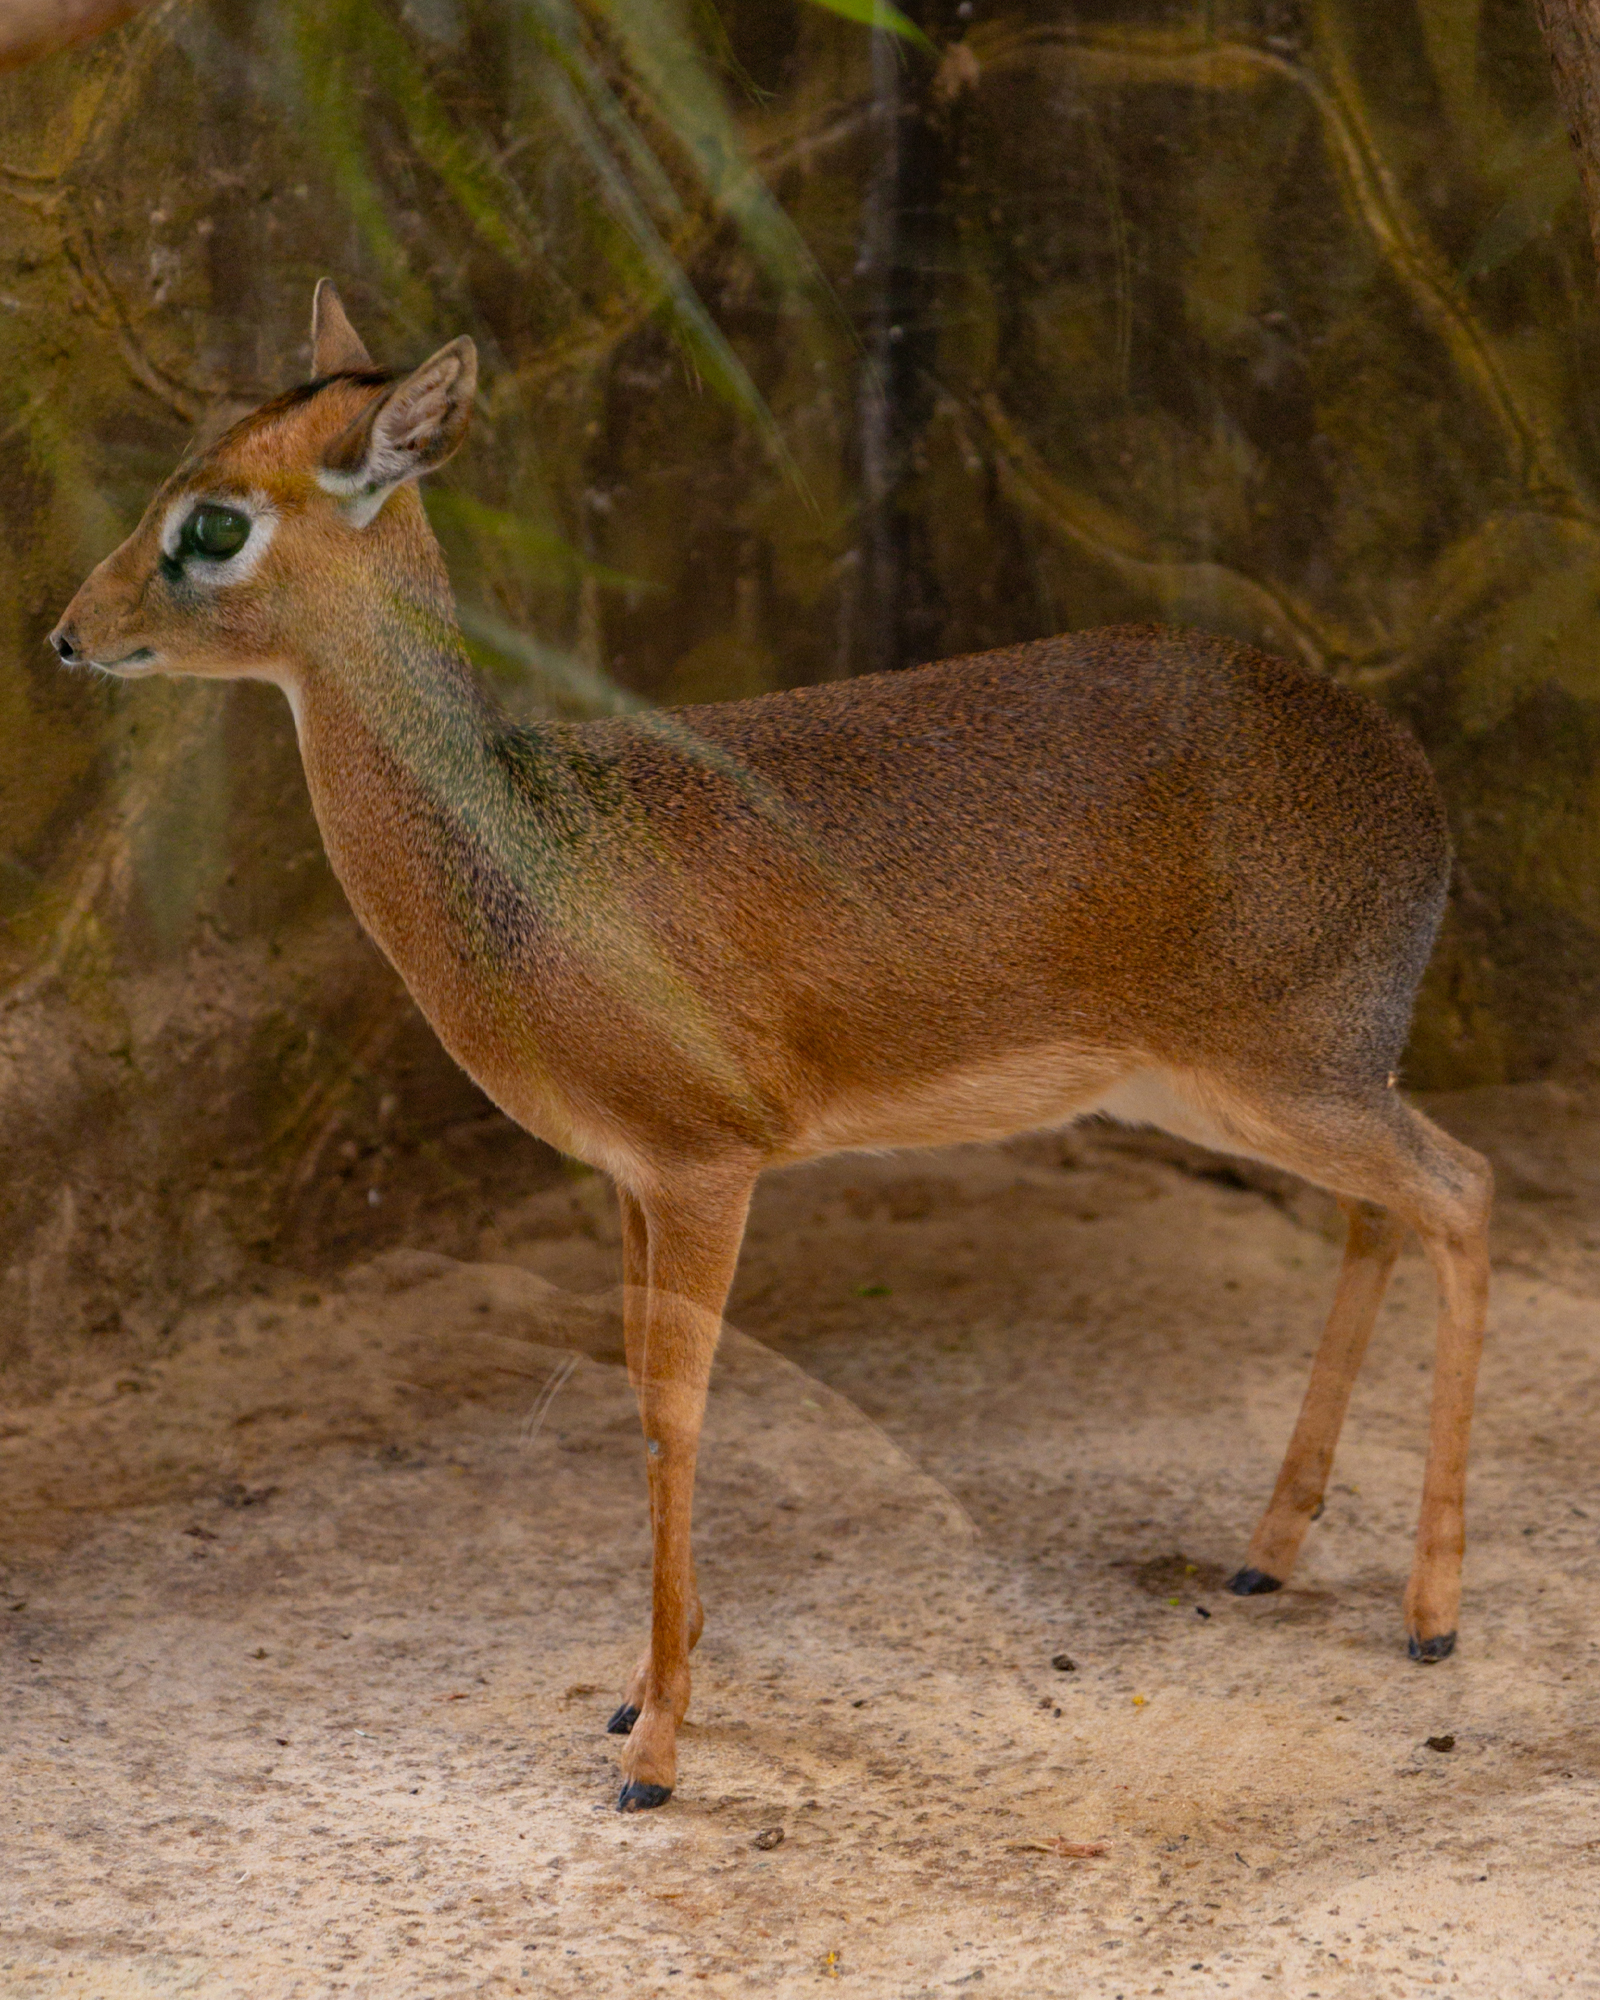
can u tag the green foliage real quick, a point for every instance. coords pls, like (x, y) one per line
(877, 14)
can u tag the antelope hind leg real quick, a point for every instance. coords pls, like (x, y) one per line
(1455, 1234)
(1371, 1247)
(1378, 1154)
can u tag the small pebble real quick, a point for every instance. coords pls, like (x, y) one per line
(769, 1838)
(1064, 1663)
(1441, 1742)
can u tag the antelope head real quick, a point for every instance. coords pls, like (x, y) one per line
(249, 555)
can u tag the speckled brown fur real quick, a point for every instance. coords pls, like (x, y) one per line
(1150, 872)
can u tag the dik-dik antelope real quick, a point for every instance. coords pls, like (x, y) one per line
(1140, 872)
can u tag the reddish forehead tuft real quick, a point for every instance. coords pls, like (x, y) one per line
(284, 438)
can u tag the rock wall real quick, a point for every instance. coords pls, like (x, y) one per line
(1282, 326)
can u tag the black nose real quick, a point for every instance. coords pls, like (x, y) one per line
(66, 646)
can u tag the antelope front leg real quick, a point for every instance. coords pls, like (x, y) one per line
(635, 1293)
(693, 1245)
(626, 1713)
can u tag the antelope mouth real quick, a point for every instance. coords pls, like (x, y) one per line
(128, 665)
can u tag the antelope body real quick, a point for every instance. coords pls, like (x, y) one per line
(1137, 871)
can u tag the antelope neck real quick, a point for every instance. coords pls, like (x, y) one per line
(430, 801)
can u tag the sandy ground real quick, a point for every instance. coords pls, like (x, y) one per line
(309, 1630)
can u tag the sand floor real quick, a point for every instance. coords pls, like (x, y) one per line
(310, 1627)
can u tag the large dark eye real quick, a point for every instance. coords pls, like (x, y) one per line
(217, 532)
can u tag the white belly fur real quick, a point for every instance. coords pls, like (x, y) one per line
(1147, 1097)
(1040, 1090)
(1029, 1092)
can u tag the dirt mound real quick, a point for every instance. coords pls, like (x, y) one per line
(310, 1629)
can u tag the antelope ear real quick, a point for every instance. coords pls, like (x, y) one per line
(336, 347)
(410, 429)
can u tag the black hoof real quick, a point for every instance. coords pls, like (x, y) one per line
(624, 1719)
(1253, 1583)
(641, 1798)
(1429, 1652)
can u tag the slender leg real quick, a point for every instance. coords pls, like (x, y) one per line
(635, 1293)
(1457, 1246)
(1370, 1250)
(695, 1233)
(1376, 1151)
(635, 1280)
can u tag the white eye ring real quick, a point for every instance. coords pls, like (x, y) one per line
(215, 572)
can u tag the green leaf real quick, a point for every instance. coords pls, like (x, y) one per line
(1539, 172)
(543, 552)
(597, 129)
(571, 679)
(879, 14)
(665, 58)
